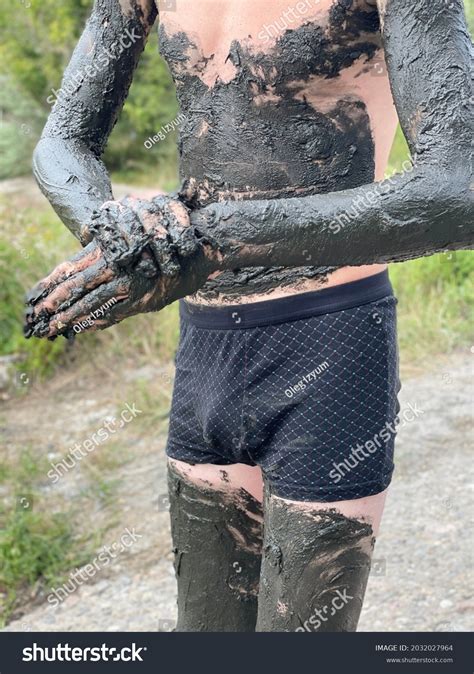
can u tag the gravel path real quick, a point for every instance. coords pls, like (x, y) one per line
(422, 575)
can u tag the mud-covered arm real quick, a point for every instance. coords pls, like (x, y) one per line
(67, 160)
(425, 210)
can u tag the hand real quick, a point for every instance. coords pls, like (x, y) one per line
(144, 255)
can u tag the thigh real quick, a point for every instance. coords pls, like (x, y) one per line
(232, 477)
(316, 563)
(216, 526)
(332, 406)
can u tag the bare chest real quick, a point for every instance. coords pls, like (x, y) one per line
(305, 38)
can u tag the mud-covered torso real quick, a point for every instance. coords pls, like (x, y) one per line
(277, 100)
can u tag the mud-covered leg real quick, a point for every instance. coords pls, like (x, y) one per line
(217, 539)
(315, 567)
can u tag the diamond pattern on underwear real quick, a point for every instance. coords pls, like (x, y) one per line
(295, 398)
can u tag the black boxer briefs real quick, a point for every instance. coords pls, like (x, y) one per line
(303, 386)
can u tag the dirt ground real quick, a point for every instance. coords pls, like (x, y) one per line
(422, 573)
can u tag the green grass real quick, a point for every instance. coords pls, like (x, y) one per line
(154, 400)
(31, 243)
(37, 545)
(40, 539)
(399, 152)
(108, 457)
(163, 175)
(436, 304)
(35, 548)
(99, 488)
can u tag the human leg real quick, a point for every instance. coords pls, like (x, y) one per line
(216, 524)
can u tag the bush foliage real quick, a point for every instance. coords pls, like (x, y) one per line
(38, 38)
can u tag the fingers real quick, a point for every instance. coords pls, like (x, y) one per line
(158, 240)
(128, 267)
(75, 287)
(167, 221)
(85, 236)
(118, 232)
(125, 229)
(65, 270)
(180, 212)
(96, 310)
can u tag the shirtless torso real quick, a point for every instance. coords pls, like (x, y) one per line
(288, 123)
(278, 100)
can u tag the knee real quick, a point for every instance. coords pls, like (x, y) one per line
(315, 568)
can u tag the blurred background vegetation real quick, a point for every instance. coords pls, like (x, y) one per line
(34, 55)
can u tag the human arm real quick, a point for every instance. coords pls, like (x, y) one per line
(427, 209)
(67, 161)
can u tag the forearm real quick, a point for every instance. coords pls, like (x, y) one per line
(404, 217)
(73, 179)
(430, 208)
(67, 160)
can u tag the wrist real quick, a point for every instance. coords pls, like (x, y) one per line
(203, 221)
